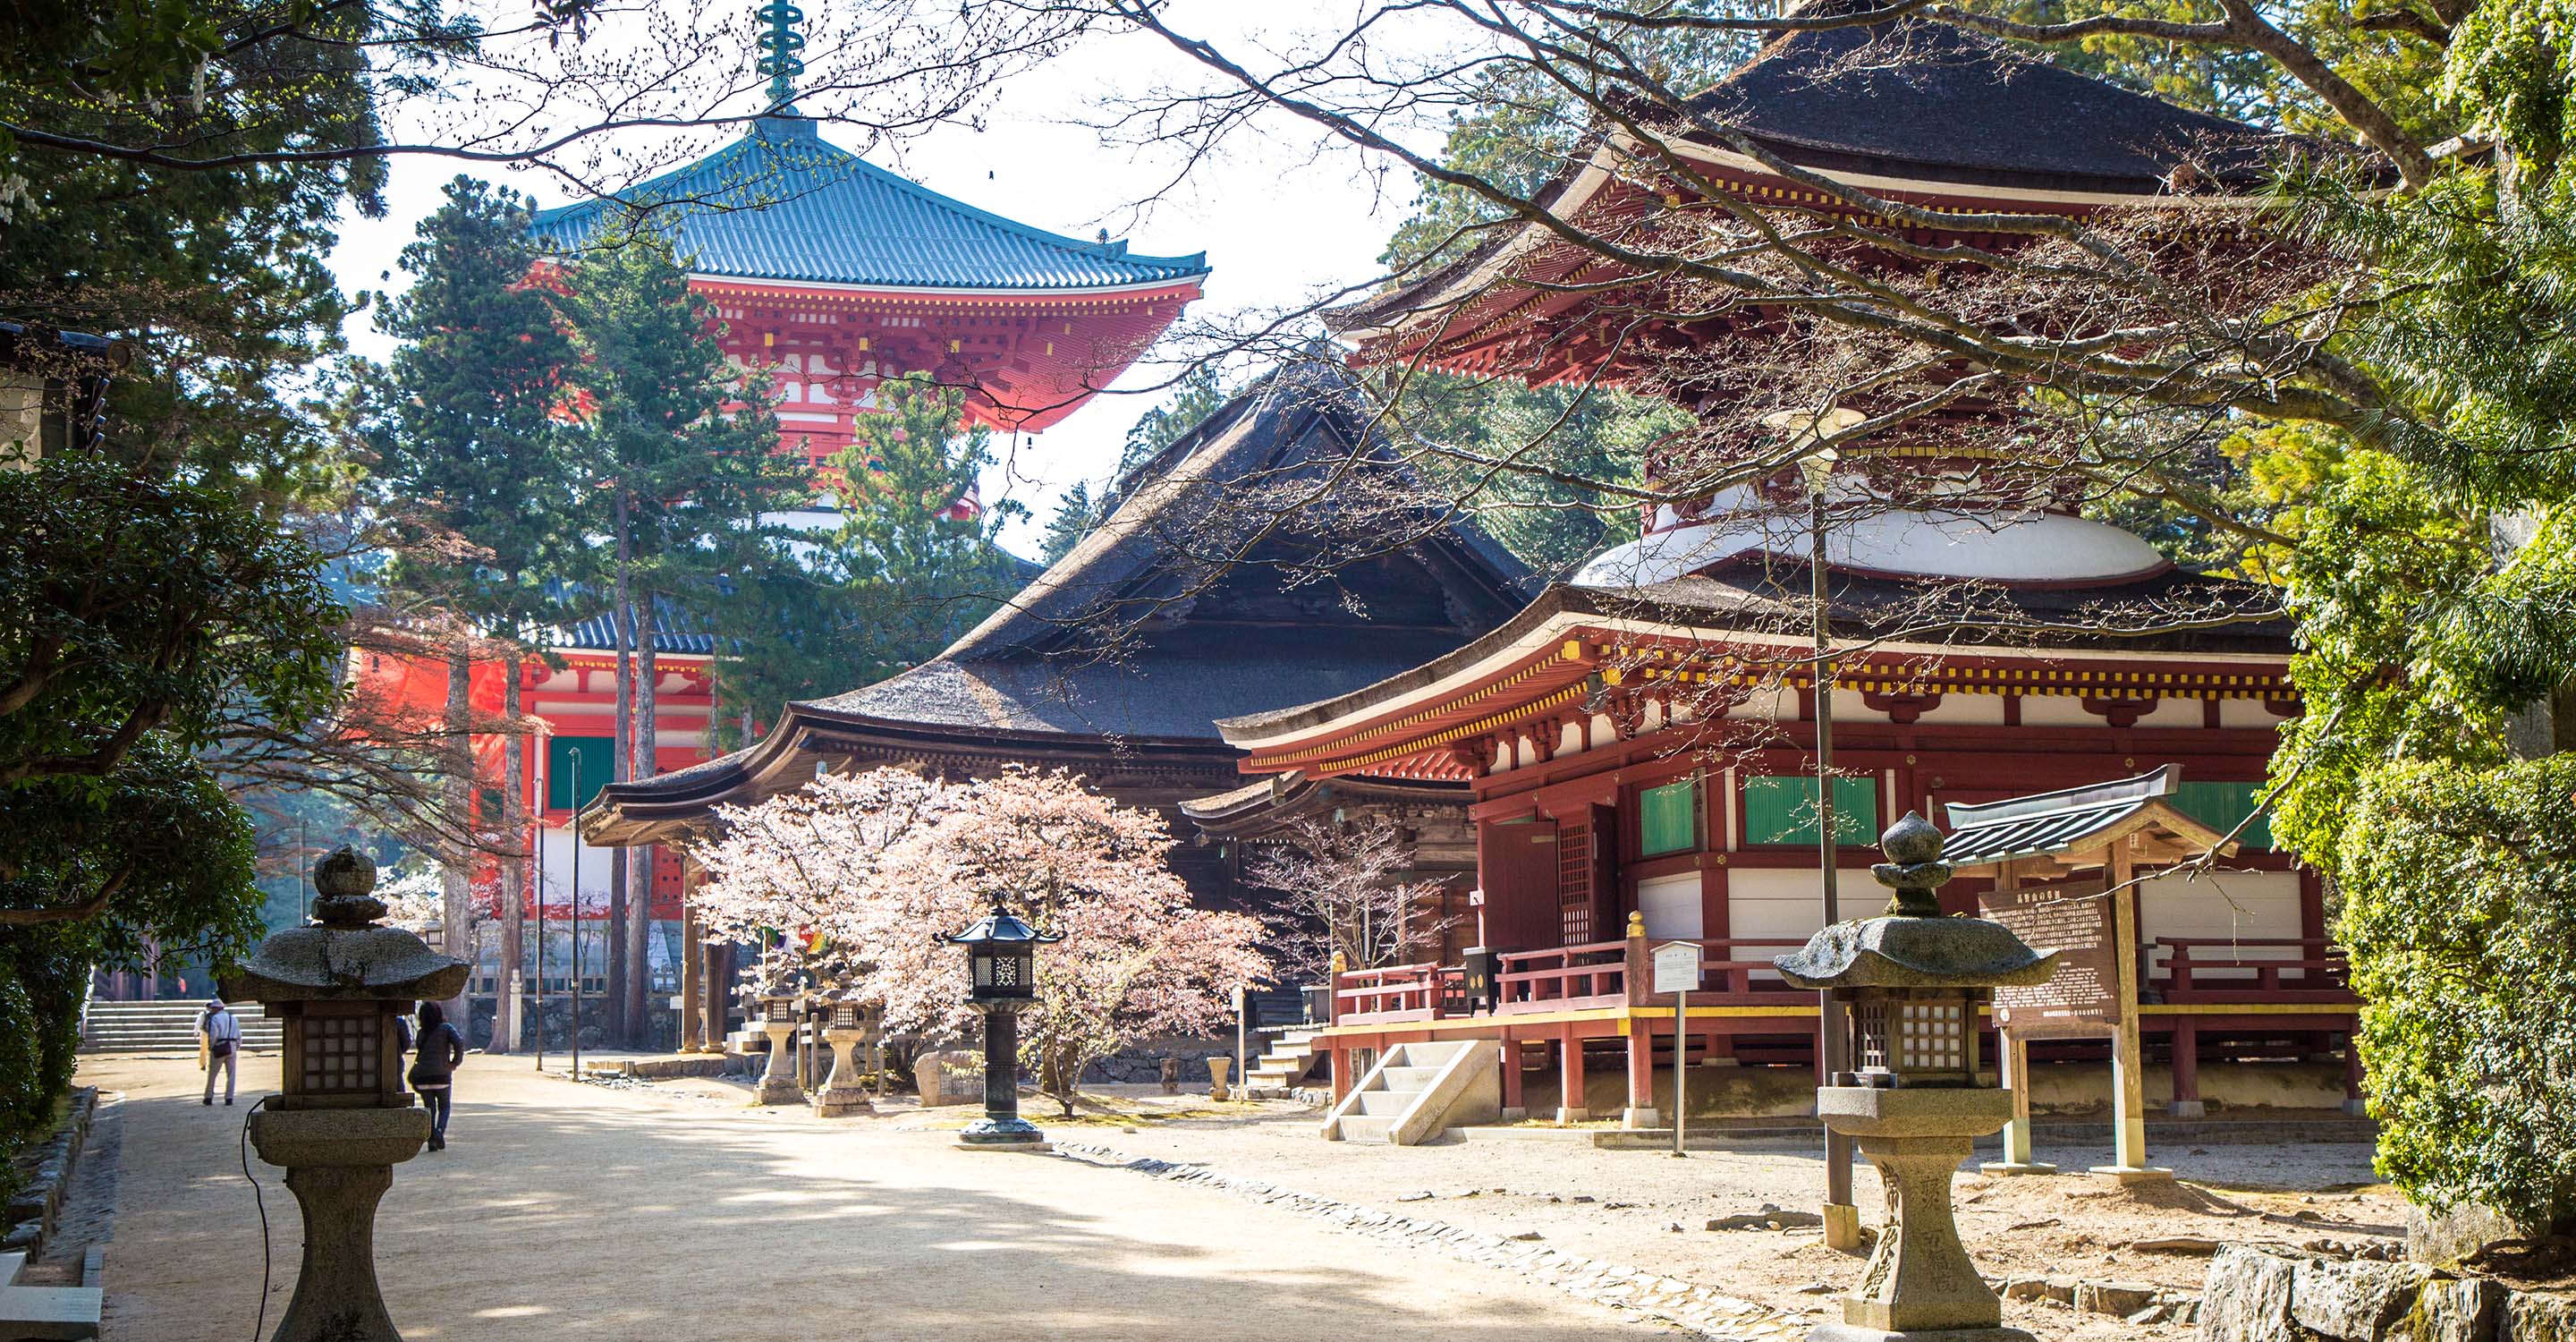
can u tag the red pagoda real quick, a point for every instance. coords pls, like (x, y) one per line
(1641, 740)
(832, 273)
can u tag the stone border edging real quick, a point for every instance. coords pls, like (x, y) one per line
(49, 1170)
(1670, 1300)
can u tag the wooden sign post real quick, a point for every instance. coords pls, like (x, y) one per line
(1677, 972)
(2094, 993)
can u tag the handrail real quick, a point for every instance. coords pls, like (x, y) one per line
(1389, 991)
(2327, 971)
(1522, 978)
(1733, 974)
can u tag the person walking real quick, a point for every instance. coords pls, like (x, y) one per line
(437, 1049)
(218, 1047)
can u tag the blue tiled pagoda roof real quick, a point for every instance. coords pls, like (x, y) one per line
(781, 203)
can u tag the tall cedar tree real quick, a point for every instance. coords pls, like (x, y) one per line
(907, 571)
(481, 480)
(680, 450)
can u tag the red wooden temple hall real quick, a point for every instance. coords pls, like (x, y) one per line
(832, 273)
(1640, 740)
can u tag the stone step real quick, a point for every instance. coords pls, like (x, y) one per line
(1385, 1103)
(1409, 1079)
(1365, 1129)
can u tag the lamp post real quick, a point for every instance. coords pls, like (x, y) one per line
(1913, 981)
(1001, 957)
(342, 1119)
(1842, 1215)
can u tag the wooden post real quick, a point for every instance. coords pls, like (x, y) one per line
(2012, 1065)
(2128, 1080)
(2186, 1070)
(1640, 977)
(1515, 1106)
(1569, 1106)
(693, 1022)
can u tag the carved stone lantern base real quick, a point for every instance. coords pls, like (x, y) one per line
(842, 1095)
(778, 1078)
(338, 1162)
(1920, 1283)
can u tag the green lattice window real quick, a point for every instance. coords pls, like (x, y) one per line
(2223, 806)
(595, 756)
(1668, 819)
(1781, 808)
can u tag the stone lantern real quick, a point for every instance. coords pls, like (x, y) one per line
(342, 1119)
(1001, 958)
(1912, 982)
(847, 1024)
(779, 1019)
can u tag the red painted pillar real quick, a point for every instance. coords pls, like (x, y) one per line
(1641, 1075)
(1341, 1071)
(1570, 1107)
(2186, 1069)
(1511, 1061)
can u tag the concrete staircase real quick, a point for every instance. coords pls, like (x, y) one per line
(1418, 1091)
(1277, 1072)
(170, 1027)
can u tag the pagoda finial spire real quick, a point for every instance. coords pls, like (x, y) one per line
(779, 42)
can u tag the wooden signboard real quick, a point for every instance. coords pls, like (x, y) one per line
(1677, 967)
(2072, 919)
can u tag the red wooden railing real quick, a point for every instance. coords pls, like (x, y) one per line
(2317, 969)
(1392, 992)
(1564, 976)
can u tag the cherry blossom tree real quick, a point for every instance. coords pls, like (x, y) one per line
(810, 875)
(1344, 889)
(1137, 961)
(849, 878)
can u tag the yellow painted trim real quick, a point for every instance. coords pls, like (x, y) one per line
(1727, 1012)
(2247, 1009)
(1481, 1022)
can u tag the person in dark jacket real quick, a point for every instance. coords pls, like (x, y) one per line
(438, 1048)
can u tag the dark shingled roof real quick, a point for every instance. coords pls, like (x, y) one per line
(781, 203)
(1204, 638)
(1924, 99)
(1099, 644)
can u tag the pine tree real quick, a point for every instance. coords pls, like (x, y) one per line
(473, 469)
(913, 565)
(685, 449)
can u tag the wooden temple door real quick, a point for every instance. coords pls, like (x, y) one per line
(1586, 881)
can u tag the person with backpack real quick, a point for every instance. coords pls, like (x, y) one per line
(437, 1050)
(218, 1047)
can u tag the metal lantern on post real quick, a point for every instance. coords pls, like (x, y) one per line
(1913, 1100)
(1001, 960)
(342, 1119)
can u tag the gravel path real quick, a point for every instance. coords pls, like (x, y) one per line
(638, 1214)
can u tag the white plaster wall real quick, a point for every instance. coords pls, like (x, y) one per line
(1672, 907)
(2245, 713)
(1786, 902)
(2174, 713)
(2056, 710)
(2250, 904)
(1774, 705)
(1966, 710)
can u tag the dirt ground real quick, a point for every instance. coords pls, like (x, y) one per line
(676, 1214)
(1622, 1206)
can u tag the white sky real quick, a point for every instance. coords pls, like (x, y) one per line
(1278, 221)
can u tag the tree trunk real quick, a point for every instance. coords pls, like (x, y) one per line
(620, 1029)
(514, 867)
(456, 906)
(639, 900)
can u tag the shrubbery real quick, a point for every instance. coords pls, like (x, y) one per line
(2460, 910)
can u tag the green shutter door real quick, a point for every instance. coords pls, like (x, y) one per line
(2224, 806)
(597, 755)
(1781, 809)
(1668, 819)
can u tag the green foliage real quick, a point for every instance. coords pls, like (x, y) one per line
(2459, 891)
(472, 468)
(905, 573)
(1549, 525)
(1076, 513)
(1200, 393)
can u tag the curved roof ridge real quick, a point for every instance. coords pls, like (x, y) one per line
(782, 203)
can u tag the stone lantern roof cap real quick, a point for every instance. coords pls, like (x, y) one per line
(1901, 952)
(1915, 946)
(1000, 926)
(343, 955)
